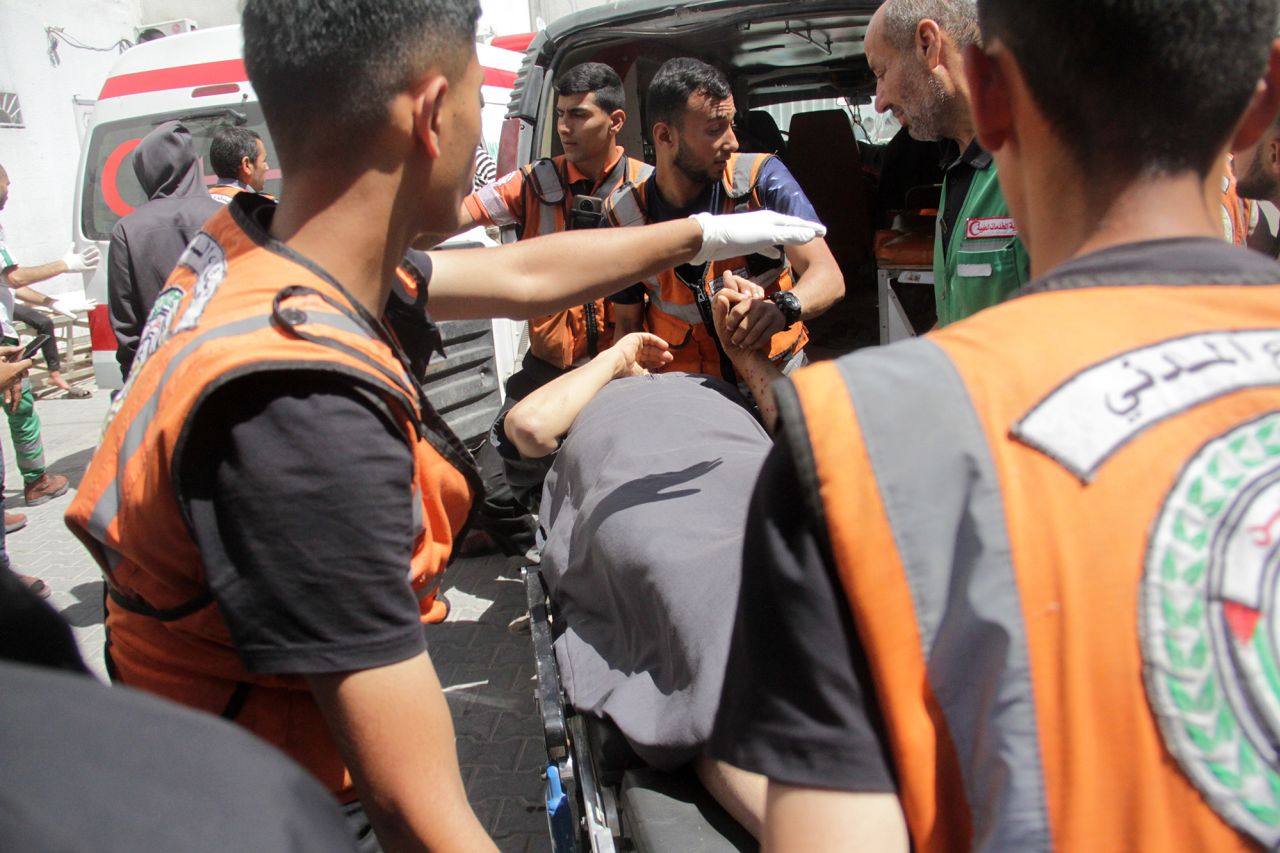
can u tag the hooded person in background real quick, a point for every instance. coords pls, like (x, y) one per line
(146, 244)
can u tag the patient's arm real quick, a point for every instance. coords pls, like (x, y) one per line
(753, 365)
(538, 423)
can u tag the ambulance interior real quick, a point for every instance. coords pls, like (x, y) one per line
(803, 90)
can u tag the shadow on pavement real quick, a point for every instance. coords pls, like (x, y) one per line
(87, 611)
(73, 467)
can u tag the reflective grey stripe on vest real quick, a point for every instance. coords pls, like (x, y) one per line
(685, 311)
(495, 205)
(108, 505)
(625, 209)
(937, 479)
(741, 176)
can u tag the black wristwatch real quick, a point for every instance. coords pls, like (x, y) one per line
(789, 305)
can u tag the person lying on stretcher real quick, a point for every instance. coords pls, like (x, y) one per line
(644, 506)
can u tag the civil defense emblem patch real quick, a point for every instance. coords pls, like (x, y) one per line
(1210, 625)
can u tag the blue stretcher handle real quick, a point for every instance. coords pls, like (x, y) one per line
(559, 814)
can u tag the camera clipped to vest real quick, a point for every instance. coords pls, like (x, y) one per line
(587, 212)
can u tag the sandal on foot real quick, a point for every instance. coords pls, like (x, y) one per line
(38, 587)
(78, 393)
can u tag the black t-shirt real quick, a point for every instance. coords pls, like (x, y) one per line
(298, 488)
(107, 769)
(959, 174)
(798, 704)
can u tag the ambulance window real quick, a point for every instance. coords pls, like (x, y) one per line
(111, 190)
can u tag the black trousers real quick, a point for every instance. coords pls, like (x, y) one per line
(501, 514)
(43, 326)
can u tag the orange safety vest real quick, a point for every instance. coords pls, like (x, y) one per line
(1033, 541)
(679, 312)
(572, 336)
(231, 308)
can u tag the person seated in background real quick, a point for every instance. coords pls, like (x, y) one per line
(643, 512)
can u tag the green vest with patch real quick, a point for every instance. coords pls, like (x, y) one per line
(985, 262)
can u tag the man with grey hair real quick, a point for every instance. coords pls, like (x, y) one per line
(915, 49)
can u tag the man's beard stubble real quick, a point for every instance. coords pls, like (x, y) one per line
(1257, 183)
(686, 163)
(932, 117)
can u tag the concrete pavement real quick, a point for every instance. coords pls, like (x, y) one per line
(487, 672)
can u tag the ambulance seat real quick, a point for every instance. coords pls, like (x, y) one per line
(823, 155)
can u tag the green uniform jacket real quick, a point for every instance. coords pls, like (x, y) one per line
(986, 262)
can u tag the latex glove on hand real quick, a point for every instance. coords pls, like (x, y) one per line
(70, 306)
(82, 261)
(760, 232)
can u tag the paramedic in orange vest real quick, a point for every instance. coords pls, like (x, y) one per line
(559, 194)
(547, 196)
(1011, 586)
(690, 110)
(239, 159)
(274, 499)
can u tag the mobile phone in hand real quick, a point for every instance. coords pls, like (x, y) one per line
(32, 347)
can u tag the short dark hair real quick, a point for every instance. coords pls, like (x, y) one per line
(229, 147)
(598, 79)
(1138, 87)
(337, 64)
(675, 81)
(956, 18)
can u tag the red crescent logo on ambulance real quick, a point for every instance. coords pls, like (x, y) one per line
(997, 226)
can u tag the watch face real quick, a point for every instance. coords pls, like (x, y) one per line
(788, 304)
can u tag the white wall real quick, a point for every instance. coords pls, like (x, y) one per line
(206, 13)
(42, 157)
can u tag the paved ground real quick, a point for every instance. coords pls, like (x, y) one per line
(487, 672)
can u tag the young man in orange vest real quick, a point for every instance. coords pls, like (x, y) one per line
(548, 196)
(274, 498)
(1011, 586)
(559, 194)
(690, 110)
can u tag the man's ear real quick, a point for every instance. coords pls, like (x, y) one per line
(929, 42)
(663, 134)
(989, 98)
(1261, 114)
(428, 108)
(617, 119)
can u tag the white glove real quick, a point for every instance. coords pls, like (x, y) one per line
(72, 305)
(760, 232)
(81, 261)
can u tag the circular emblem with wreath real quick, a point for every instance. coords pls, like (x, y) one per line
(1209, 625)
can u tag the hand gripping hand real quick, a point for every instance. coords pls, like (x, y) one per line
(82, 261)
(760, 232)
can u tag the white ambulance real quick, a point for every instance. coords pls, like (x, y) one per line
(199, 78)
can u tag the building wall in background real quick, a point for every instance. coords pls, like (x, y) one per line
(43, 154)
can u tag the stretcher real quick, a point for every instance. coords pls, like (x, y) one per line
(600, 796)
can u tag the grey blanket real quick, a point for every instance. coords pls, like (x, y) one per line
(644, 512)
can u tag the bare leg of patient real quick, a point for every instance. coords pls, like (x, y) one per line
(740, 793)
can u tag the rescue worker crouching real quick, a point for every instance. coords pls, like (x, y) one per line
(690, 109)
